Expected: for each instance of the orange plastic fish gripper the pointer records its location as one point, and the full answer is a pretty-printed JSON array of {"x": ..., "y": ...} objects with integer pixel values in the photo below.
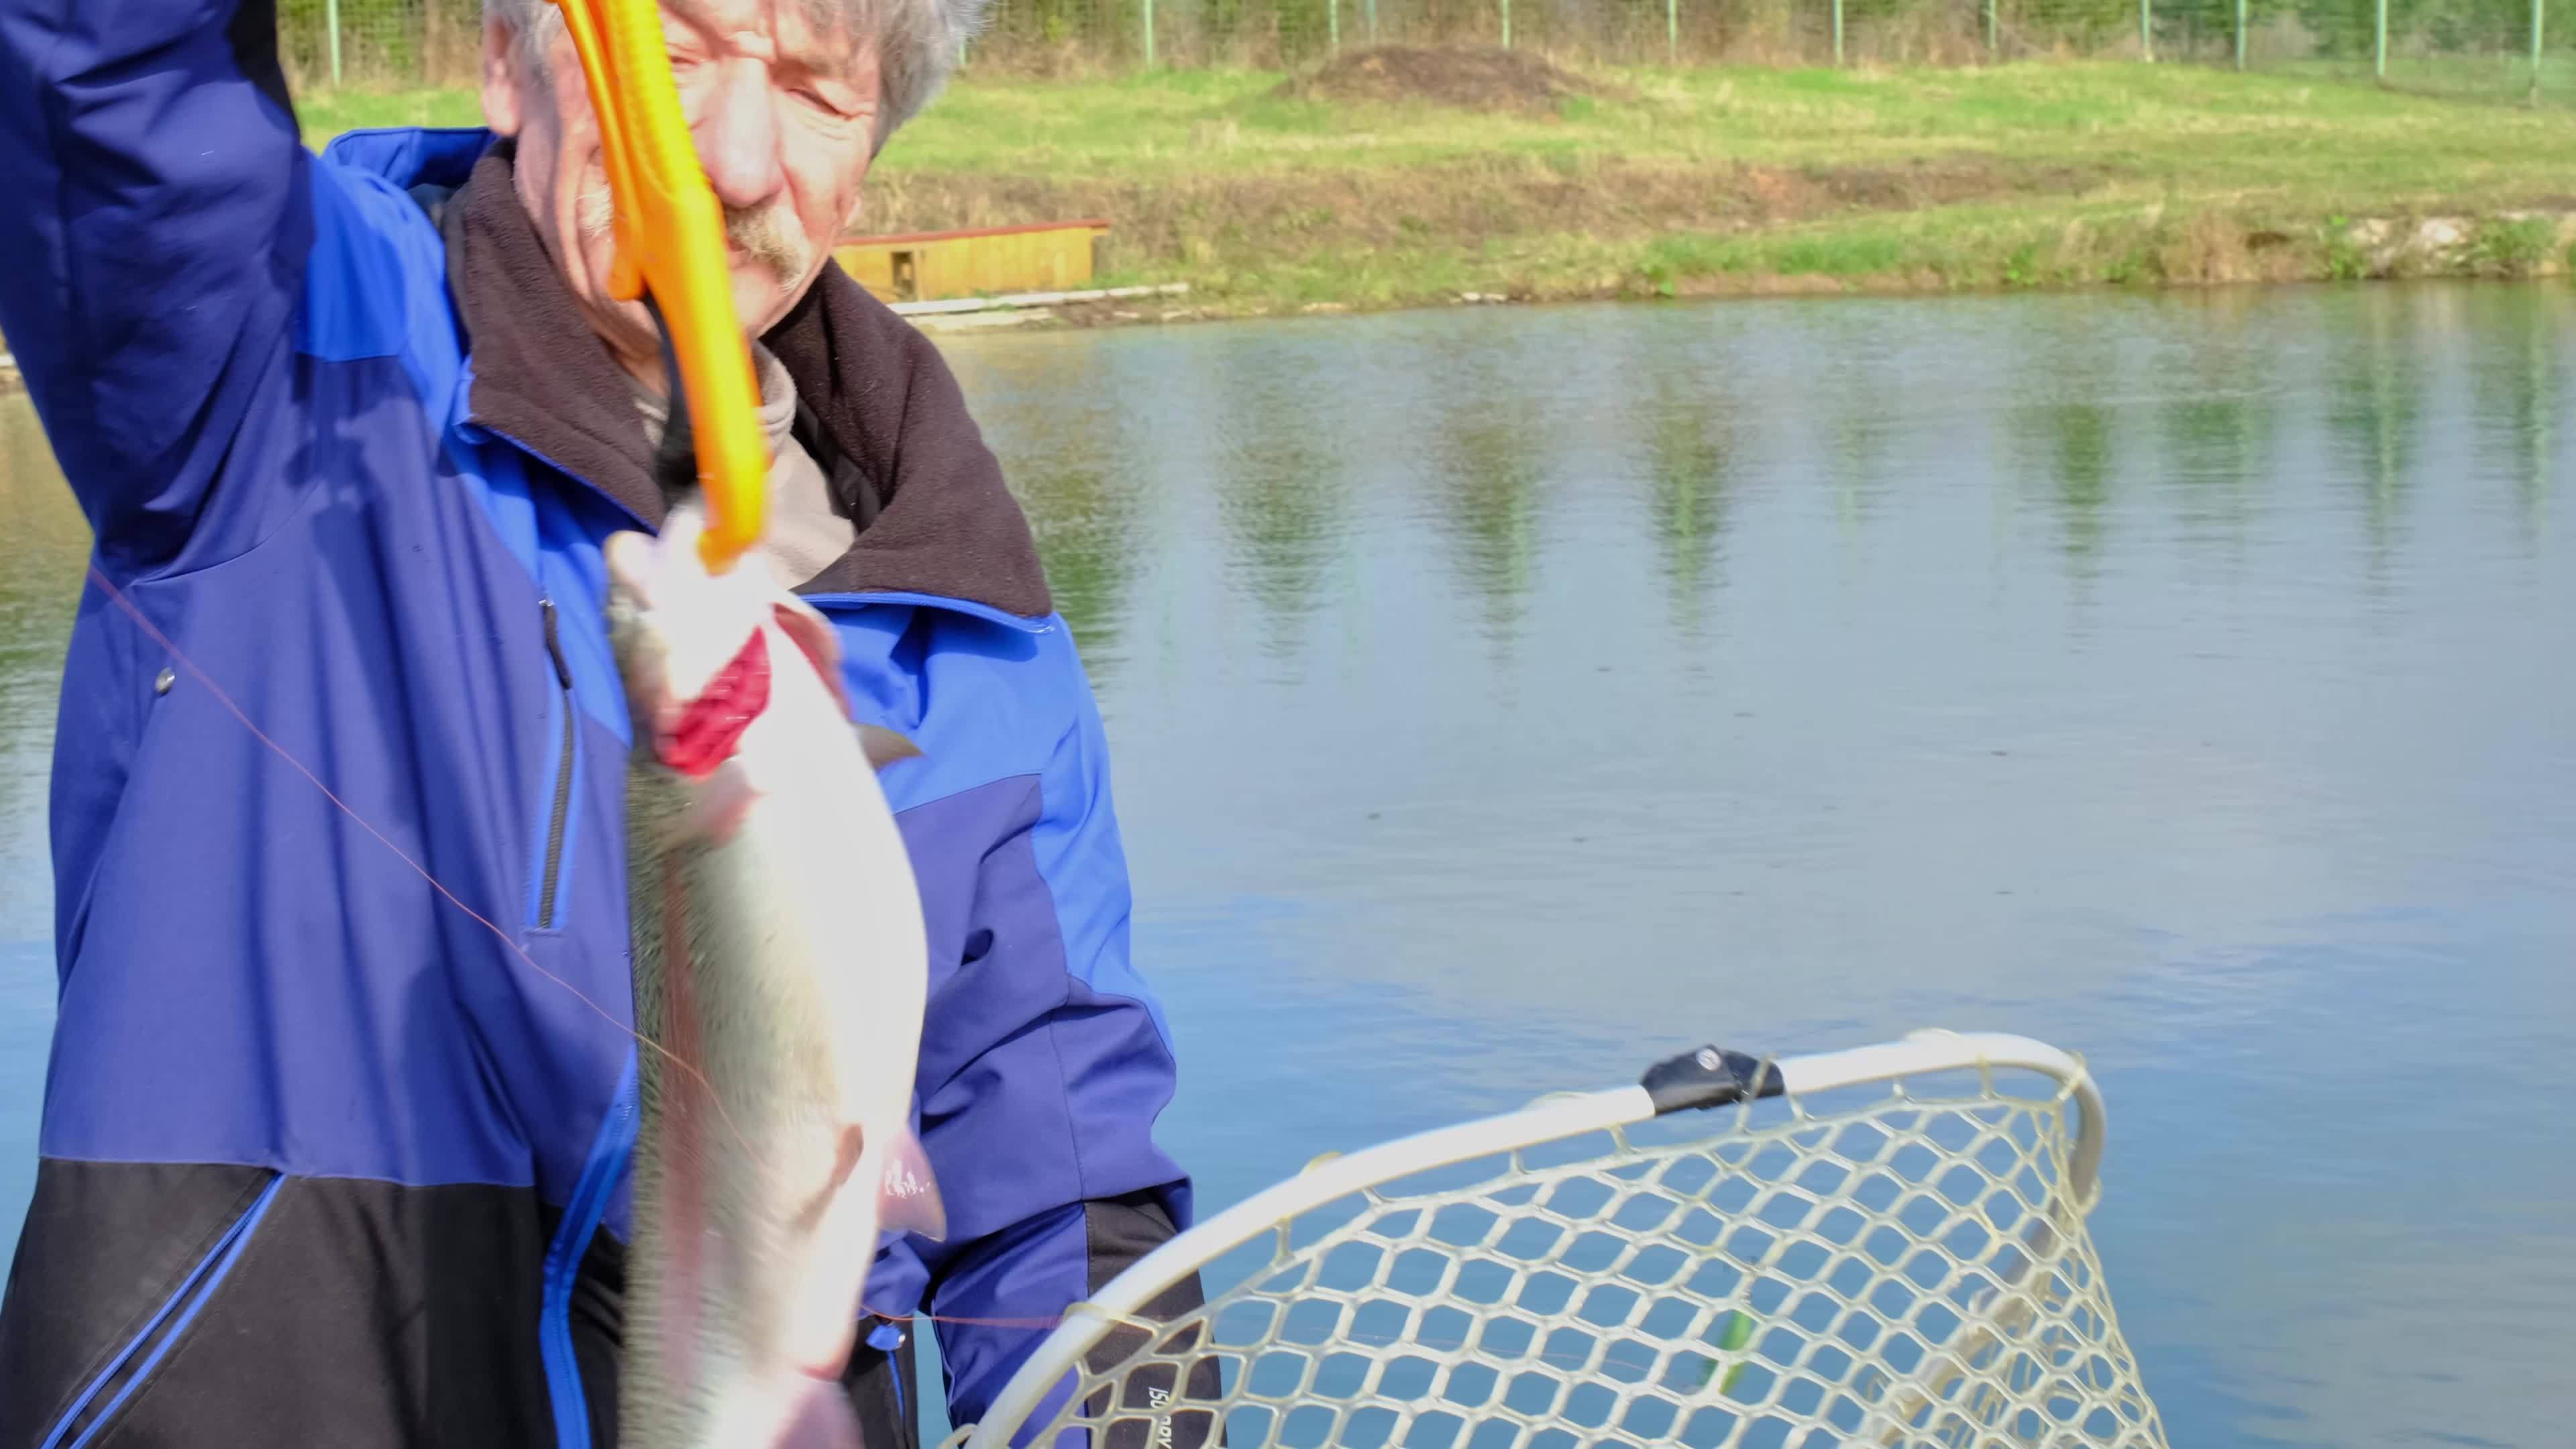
[{"x": 669, "y": 234}]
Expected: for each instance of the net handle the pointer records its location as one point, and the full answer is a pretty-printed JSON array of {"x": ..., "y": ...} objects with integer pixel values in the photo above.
[{"x": 1705, "y": 1078}]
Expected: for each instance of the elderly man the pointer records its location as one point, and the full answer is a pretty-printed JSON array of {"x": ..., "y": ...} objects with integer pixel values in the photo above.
[{"x": 342, "y": 1092}]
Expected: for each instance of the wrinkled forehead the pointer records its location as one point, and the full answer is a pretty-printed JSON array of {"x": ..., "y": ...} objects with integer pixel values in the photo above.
[{"x": 827, "y": 36}]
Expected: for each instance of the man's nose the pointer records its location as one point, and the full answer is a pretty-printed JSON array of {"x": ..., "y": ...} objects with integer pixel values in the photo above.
[{"x": 737, "y": 135}]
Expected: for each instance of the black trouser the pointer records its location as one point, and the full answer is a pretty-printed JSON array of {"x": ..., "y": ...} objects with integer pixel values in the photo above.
[
  {"x": 360, "y": 1314},
  {"x": 885, "y": 1390}
]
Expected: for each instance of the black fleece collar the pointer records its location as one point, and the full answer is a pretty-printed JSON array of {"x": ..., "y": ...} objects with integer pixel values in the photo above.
[{"x": 940, "y": 521}]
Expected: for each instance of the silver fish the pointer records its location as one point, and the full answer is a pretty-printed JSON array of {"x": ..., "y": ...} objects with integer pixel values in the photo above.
[{"x": 780, "y": 965}]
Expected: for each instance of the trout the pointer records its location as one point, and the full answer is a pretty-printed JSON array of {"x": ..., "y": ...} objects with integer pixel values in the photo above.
[{"x": 780, "y": 965}]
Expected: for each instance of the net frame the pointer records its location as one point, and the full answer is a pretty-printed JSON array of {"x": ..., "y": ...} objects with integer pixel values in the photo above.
[{"x": 1909, "y": 1266}]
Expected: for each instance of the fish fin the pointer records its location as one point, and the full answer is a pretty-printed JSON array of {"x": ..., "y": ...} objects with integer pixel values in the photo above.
[
  {"x": 907, "y": 1194},
  {"x": 821, "y": 1419},
  {"x": 812, "y": 633},
  {"x": 836, "y": 1275},
  {"x": 883, "y": 746}
]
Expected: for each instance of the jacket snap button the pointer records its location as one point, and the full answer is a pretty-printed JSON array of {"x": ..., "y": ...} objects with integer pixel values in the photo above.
[{"x": 161, "y": 682}]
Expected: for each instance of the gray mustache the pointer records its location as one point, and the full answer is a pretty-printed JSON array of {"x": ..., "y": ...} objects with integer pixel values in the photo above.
[{"x": 768, "y": 234}]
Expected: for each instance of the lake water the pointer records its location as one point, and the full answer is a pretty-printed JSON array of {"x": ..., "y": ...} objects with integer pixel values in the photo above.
[{"x": 1504, "y": 698}]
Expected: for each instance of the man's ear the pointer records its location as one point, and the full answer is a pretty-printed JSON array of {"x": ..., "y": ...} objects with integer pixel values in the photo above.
[{"x": 503, "y": 99}]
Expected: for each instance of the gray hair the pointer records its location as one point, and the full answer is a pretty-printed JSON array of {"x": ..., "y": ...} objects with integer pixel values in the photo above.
[{"x": 918, "y": 42}]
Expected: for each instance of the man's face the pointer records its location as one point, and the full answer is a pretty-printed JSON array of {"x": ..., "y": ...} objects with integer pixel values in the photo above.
[{"x": 783, "y": 111}]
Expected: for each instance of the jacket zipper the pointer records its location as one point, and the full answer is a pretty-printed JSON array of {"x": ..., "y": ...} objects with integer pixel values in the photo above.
[
  {"x": 563, "y": 776},
  {"x": 162, "y": 1330},
  {"x": 610, "y": 1152}
]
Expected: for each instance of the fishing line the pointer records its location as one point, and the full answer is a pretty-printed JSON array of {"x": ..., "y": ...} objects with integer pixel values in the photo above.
[{"x": 226, "y": 700}]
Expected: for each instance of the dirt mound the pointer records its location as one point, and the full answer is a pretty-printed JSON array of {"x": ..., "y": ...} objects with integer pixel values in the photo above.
[{"x": 1479, "y": 78}]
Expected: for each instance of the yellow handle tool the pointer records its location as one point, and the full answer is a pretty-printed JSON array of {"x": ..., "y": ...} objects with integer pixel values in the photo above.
[{"x": 670, "y": 239}]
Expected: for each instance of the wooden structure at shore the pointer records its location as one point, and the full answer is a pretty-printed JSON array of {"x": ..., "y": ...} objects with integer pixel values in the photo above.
[{"x": 928, "y": 266}]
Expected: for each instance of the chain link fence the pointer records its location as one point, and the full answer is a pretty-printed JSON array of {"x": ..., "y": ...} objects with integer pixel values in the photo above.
[
  {"x": 380, "y": 43},
  {"x": 2474, "y": 48}
]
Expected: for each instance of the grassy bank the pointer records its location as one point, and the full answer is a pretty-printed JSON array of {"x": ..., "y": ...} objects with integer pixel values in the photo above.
[{"x": 1725, "y": 180}]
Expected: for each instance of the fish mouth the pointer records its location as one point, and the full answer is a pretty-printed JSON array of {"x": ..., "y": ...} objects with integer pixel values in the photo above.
[{"x": 703, "y": 732}]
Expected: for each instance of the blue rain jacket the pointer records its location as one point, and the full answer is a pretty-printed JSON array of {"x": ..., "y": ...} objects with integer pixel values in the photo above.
[{"x": 324, "y": 1160}]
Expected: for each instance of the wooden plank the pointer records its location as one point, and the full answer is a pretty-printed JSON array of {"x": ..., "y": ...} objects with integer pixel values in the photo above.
[
  {"x": 927, "y": 266},
  {"x": 956, "y": 306}
]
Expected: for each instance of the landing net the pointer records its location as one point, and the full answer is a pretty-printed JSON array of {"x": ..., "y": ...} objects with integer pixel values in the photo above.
[{"x": 1908, "y": 1266}]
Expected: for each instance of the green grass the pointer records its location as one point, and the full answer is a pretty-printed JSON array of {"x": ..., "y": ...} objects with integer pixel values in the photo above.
[
  {"x": 2258, "y": 130},
  {"x": 328, "y": 113},
  {"x": 1715, "y": 179}
]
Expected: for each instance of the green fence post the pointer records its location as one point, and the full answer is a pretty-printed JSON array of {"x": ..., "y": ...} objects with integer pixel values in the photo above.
[
  {"x": 2536, "y": 7},
  {"x": 1990, "y": 27},
  {"x": 1838, "y": 33},
  {"x": 1372, "y": 19},
  {"x": 2147, "y": 30},
  {"x": 2240, "y": 34},
  {"x": 1507, "y": 24},
  {"x": 1333, "y": 23},
  {"x": 1673, "y": 31},
  {"x": 2379, "y": 40},
  {"x": 1149, "y": 34},
  {"x": 331, "y": 22}
]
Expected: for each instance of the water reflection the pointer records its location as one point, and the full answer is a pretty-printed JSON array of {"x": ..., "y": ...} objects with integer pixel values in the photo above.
[
  {"x": 2219, "y": 439},
  {"x": 46, "y": 551},
  {"x": 2375, "y": 414},
  {"x": 1693, "y": 472},
  {"x": 2520, "y": 388},
  {"x": 1859, "y": 397},
  {"x": 1085, "y": 523},
  {"x": 1486, "y": 480},
  {"x": 1282, "y": 484},
  {"x": 2079, "y": 440},
  {"x": 2062, "y": 441},
  {"x": 1080, "y": 493},
  {"x": 2216, "y": 445}
]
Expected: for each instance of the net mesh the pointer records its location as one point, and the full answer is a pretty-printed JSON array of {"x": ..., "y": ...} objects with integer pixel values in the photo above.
[{"x": 1906, "y": 1270}]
